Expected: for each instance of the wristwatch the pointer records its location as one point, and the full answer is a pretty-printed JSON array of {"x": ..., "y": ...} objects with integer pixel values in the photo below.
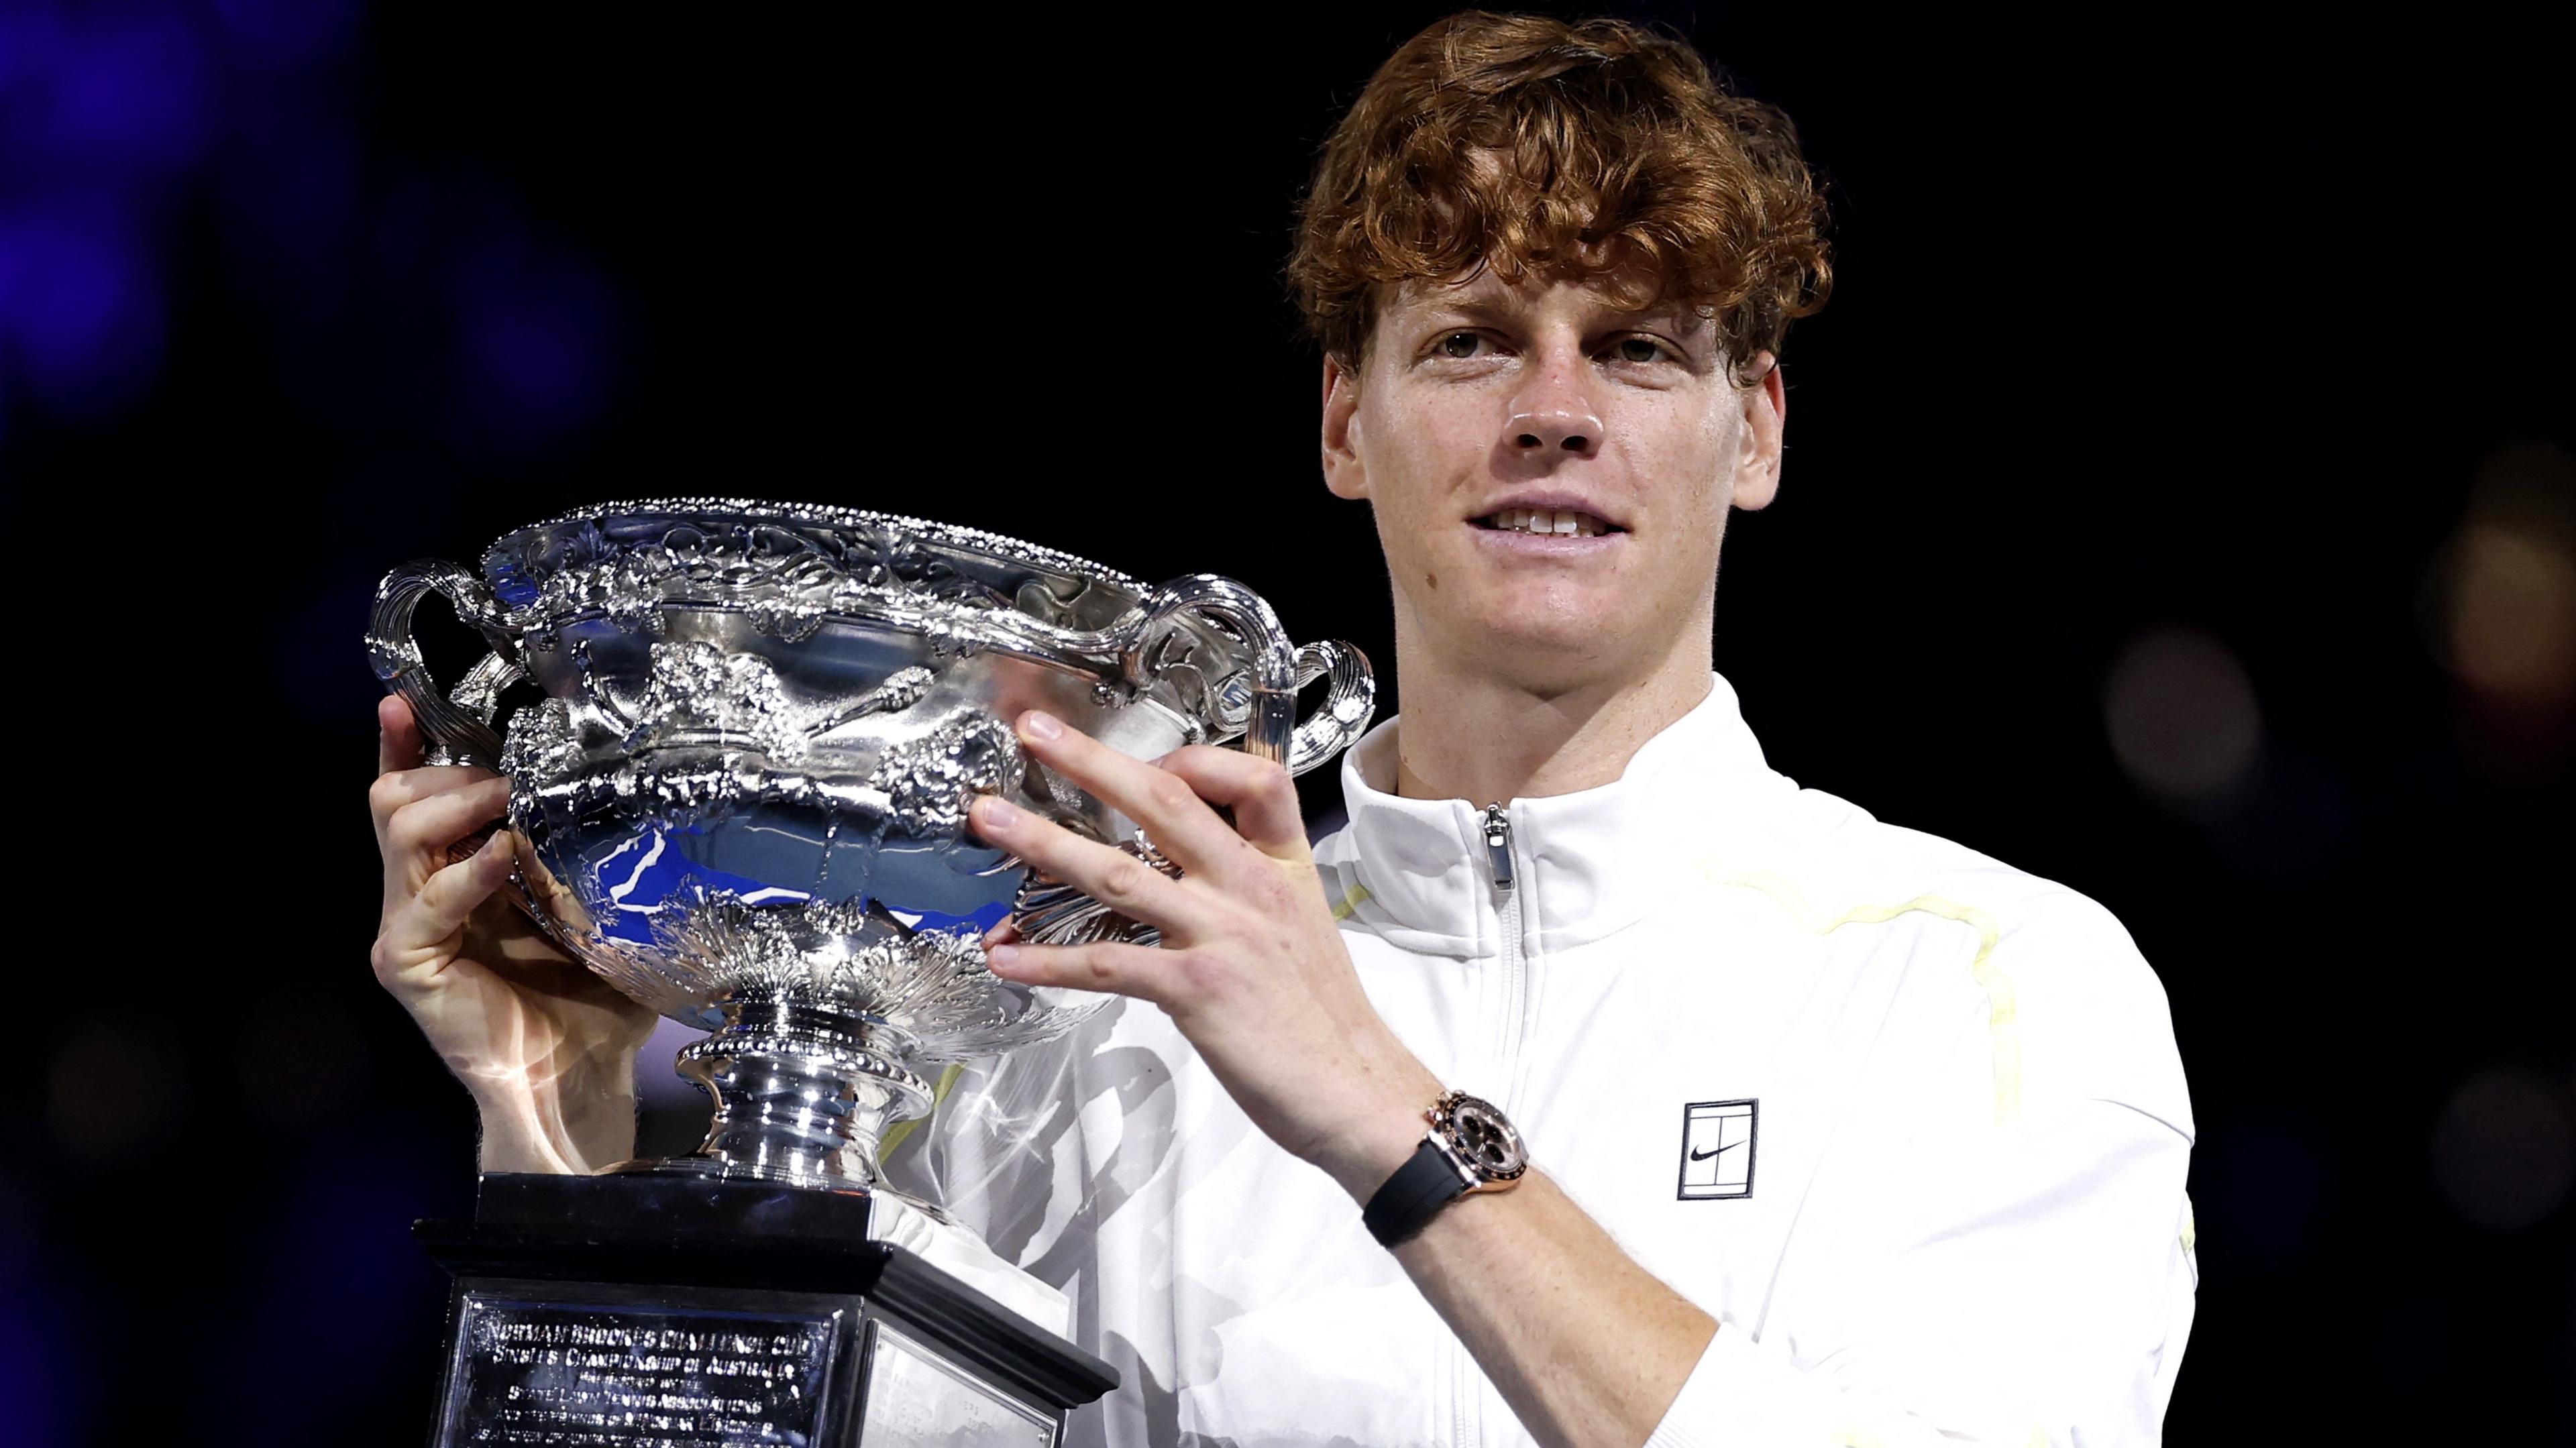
[{"x": 1469, "y": 1148}]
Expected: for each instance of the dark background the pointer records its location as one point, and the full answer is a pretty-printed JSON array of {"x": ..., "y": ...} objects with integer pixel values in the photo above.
[{"x": 2179, "y": 505}]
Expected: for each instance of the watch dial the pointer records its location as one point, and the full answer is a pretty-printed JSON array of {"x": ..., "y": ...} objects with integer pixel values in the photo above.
[{"x": 1485, "y": 1138}]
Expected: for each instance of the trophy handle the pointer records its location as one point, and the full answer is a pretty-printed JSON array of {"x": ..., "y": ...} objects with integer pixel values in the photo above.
[
  {"x": 1350, "y": 697},
  {"x": 457, "y": 729},
  {"x": 1279, "y": 669}
]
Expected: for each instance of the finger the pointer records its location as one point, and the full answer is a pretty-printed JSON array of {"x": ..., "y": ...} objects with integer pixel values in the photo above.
[
  {"x": 1113, "y": 877},
  {"x": 430, "y": 824},
  {"x": 1179, "y": 822},
  {"x": 418, "y": 931},
  {"x": 392, "y": 791},
  {"x": 397, "y": 736},
  {"x": 1120, "y": 968},
  {"x": 1258, "y": 791}
]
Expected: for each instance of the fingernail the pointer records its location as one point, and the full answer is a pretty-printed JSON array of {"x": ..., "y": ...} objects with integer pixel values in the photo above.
[
  {"x": 994, "y": 811},
  {"x": 999, "y": 957},
  {"x": 1039, "y": 724}
]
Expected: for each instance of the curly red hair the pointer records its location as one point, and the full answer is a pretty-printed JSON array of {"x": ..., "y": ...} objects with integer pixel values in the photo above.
[{"x": 1598, "y": 150}]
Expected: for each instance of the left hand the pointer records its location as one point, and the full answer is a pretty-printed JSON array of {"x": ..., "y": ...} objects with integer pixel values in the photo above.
[{"x": 1251, "y": 967}]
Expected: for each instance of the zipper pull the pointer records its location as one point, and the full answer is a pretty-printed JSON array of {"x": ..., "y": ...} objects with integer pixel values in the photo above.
[{"x": 1498, "y": 846}]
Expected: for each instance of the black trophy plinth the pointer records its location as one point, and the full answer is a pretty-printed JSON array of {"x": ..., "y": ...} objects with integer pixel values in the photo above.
[{"x": 649, "y": 1311}]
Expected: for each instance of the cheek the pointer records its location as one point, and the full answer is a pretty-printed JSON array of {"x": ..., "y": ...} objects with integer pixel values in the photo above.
[
  {"x": 1419, "y": 451},
  {"x": 1693, "y": 454}
]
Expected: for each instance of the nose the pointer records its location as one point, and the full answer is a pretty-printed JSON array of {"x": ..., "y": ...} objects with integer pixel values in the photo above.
[{"x": 1551, "y": 415}]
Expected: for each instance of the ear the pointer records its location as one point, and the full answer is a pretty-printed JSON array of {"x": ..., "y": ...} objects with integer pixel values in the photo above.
[
  {"x": 1757, "y": 459},
  {"x": 1343, "y": 472}
]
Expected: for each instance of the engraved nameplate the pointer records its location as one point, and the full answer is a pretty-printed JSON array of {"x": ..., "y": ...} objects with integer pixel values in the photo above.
[{"x": 564, "y": 1374}]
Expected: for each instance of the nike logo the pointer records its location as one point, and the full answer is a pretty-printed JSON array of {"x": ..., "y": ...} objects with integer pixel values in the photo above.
[{"x": 1705, "y": 1155}]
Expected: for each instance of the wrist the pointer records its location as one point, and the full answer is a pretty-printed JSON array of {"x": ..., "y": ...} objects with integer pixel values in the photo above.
[
  {"x": 555, "y": 1126},
  {"x": 1382, "y": 1137}
]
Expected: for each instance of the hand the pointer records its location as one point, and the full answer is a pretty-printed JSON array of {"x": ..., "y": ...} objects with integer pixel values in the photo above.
[
  {"x": 546, "y": 1047},
  {"x": 1251, "y": 969}
]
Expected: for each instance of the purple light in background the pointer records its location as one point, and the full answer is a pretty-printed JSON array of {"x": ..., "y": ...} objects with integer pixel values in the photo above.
[
  {"x": 33, "y": 1373},
  {"x": 533, "y": 340},
  {"x": 291, "y": 182},
  {"x": 126, "y": 90},
  {"x": 31, "y": 36},
  {"x": 290, "y": 33},
  {"x": 36, "y": 1374},
  {"x": 334, "y": 1283},
  {"x": 80, "y": 310}
]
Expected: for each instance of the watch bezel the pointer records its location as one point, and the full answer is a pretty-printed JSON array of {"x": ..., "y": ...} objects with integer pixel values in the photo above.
[{"x": 1447, "y": 1138}]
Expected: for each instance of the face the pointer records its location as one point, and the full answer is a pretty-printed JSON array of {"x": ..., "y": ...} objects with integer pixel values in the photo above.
[{"x": 1550, "y": 474}]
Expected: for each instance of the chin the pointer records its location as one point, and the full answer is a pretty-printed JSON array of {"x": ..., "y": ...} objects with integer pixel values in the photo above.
[{"x": 1556, "y": 642}]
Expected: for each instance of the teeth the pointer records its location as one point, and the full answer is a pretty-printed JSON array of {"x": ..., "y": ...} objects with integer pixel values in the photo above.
[{"x": 1559, "y": 522}]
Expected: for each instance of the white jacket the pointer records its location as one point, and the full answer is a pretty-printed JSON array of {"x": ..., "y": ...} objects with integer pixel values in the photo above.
[{"x": 1907, "y": 1121}]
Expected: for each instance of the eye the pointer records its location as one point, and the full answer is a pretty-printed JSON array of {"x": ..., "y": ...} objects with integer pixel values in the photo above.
[
  {"x": 1459, "y": 346},
  {"x": 1639, "y": 349}
]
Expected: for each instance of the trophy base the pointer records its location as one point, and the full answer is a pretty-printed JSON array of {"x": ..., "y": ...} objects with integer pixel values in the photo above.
[{"x": 671, "y": 1310}]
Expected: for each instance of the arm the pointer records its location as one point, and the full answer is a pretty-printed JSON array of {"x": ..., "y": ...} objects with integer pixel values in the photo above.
[
  {"x": 1585, "y": 1344},
  {"x": 1970, "y": 1299}
]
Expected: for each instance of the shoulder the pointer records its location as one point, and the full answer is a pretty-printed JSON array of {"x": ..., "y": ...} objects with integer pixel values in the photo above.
[{"x": 2064, "y": 978}]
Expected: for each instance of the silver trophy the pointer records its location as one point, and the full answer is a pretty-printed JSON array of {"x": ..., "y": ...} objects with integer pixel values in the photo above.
[{"x": 742, "y": 792}]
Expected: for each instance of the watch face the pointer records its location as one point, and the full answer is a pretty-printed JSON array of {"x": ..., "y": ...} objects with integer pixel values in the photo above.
[{"x": 1485, "y": 1139}]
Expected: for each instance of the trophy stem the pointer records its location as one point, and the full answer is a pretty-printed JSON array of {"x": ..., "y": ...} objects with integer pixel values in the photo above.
[{"x": 803, "y": 1094}]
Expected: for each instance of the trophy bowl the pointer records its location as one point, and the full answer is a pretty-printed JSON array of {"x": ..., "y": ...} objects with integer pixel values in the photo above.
[{"x": 740, "y": 795}]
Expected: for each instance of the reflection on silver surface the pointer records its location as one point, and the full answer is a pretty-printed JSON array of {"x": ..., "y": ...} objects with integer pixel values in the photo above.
[
  {"x": 915, "y": 1399},
  {"x": 741, "y": 797}
]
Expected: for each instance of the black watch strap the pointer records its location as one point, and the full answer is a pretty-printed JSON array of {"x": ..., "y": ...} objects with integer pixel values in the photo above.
[{"x": 1413, "y": 1196}]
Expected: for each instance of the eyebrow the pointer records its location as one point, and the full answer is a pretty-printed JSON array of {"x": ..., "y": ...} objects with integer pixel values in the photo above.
[{"x": 1686, "y": 323}]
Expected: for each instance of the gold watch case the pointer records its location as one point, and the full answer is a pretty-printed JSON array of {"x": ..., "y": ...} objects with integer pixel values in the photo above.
[{"x": 1480, "y": 1143}]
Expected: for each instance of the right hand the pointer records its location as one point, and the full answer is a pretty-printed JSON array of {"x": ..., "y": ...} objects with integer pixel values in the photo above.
[{"x": 546, "y": 1047}]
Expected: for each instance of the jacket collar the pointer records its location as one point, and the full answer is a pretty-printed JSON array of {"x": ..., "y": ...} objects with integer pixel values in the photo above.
[{"x": 1586, "y": 864}]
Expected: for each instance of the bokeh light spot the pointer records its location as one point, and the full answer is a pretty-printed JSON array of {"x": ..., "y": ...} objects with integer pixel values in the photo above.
[
  {"x": 2504, "y": 1153},
  {"x": 2182, "y": 716},
  {"x": 2507, "y": 582}
]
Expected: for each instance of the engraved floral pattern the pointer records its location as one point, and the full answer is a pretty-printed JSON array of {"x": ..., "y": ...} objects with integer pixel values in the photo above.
[{"x": 929, "y": 783}]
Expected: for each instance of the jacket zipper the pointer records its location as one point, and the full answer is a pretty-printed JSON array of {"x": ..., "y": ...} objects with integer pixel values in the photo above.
[
  {"x": 1509, "y": 913},
  {"x": 1497, "y": 824},
  {"x": 1498, "y": 848},
  {"x": 1511, "y": 924}
]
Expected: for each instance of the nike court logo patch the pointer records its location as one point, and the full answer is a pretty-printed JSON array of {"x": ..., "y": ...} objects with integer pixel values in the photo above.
[{"x": 1713, "y": 1167}]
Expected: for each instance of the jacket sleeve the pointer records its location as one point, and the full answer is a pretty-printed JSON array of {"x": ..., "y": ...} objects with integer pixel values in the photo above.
[{"x": 2016, "y": 1278}]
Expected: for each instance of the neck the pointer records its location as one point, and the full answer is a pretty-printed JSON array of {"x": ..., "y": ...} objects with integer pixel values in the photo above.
[{"x": 1486, "y": 736}]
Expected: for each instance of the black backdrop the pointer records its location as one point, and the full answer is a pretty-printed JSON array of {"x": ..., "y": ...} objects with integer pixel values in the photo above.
[{"x": 2178, "y": 505}]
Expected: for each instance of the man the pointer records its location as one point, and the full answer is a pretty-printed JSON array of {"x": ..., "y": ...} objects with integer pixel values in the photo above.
[{"x": 1837, "y": 1133}]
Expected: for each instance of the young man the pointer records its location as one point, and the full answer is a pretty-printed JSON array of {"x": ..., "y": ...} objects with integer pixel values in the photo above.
[{"x": 1836, "y": 1133}]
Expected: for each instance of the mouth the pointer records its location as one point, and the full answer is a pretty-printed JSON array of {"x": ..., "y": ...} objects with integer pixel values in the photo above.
[{"x": 1548, "y": 522}]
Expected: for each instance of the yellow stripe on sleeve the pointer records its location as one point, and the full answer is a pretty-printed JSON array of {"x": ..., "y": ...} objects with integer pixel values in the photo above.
[
  {"x": 901, "y": 1131},
  {"x": 2003, "y": 1016}
]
